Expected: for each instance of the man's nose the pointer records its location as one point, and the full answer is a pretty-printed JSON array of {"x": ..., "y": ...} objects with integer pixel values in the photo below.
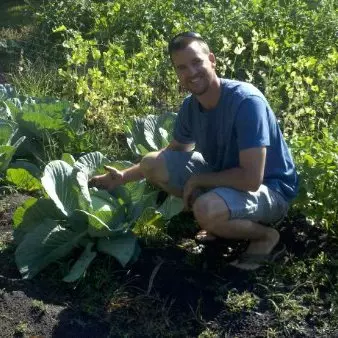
[{"x": 192, "y": 70}]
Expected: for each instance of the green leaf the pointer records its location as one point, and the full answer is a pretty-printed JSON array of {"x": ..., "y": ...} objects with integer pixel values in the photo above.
[
  {"x": 29, "y": 215},
  {"x": 149, "y": 218},
  {"x": 131, "y": 192},
  {"x": 171, "y": 207},
  {"x": 41, "y": 125},
  {"x": 309, "y": 160},
  {"x": 135, "y": 136},
  {"x": 5, "y": 111},
  {"x": 7, "y": 151},
  {"x": 147, "y": 201},
  {"x": 30, "y": 167},
  {"x": 91, "y": 163},
  {"x": 59, "y": 185},
  {"x": 78, "y": 221},
  {"x": 61, "y": 28},
  {"x": 107, "y": 208},
  {"x": 85, "y": 167},
  {"x": 98, "y": 228},
  {"x": 23, "y": 179},
  {"x": 6, "y": 132},
  {"x": 47, "y": 243},
  {"x": 6, "y": 154},
  {"x": 122, "y": 247},
  {"x": 81, "y": 265},
  {"x": 45, "y": 120},
  {"x": 150, "y": 124},
  {"x": 68, "y": 158},
  {"x": 151, "y": 133}
]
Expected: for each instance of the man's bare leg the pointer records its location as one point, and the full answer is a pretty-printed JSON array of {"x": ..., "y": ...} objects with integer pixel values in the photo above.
[
  {"x": 212, "y": 214},
  {"x": 154, "y": 169}
]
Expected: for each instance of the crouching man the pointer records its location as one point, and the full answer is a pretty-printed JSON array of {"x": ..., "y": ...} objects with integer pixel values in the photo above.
[{"x": 228, "y": 159}]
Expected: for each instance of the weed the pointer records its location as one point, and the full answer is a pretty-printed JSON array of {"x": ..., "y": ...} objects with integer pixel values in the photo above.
[
  {"x": 272, "y": 333},
  {"x": 151, "y": 228},
  {"x": 208, "y": 333},
  {"x": 194, "y": 256},
  {"x": 34, "y": 78},
  {"x": 21, "y": 328},
  {"x": 38, "y": 306},
  {"x": 238, "y": 302},
  {"x": 4, "y": 243},
  {"x": 109, "y": 143},
  {"x": 12, "y": 34}
]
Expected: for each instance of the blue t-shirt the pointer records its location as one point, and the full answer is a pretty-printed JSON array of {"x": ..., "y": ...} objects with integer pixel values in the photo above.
[{"x": 241, "y": 120}]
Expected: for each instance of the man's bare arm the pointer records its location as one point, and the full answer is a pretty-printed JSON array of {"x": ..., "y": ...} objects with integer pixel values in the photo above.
[
  {"x": 114, "y": 177},
  {"x": 248, "y": 176}
]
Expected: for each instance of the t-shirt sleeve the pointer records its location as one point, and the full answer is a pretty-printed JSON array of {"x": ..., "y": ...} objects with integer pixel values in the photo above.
[
  {"x": 252, "y": 125},
  {"x": 183, "y": 125}
]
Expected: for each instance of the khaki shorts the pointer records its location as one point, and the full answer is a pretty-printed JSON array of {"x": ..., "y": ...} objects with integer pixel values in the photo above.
[{"x": 264, "y": 205}]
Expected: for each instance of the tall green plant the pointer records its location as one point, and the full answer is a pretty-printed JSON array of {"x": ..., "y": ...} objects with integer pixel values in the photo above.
[
  {"x": 122, "y": 67},
  {"x": 317, "y": 163}
]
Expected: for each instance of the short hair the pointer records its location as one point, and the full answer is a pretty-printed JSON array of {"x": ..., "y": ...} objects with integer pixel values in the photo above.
[{"x": 182, "y": 40}]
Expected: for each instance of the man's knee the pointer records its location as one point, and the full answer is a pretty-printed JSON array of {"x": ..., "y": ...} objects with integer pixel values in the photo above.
[
  {"x": 209, "y": 208},
  {"x": 153, "y": 167}
]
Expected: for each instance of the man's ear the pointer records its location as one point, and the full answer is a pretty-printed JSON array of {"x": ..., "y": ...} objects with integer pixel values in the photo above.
[{"x": 212, "y": 59}]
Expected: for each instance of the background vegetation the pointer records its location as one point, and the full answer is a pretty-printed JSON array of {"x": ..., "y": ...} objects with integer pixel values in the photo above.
[{"x": 113, "y": 55}]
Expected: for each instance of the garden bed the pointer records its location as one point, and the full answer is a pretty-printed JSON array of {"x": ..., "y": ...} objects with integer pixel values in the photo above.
[{"x": 176, "y": 288}]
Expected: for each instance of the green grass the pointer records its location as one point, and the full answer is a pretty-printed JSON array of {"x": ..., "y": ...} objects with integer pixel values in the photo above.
[
  {"x": 16, "y": 20},
  {"x": 34, "y": 78},
  {"x": 17, "y": 29},
  {"x": 11, "y": 14}
]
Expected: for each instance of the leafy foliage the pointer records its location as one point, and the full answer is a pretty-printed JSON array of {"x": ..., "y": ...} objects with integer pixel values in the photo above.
[
  {"x": 317, "y": 161},
  {"x": 48, "y": 229},
  {"x": 118, "y": 60},
  {"x": 50, "y": 126},
  {"x": 287, "y": 49},
  {"x": 150, "y": 133},
  {"x": 7, "y": 146}
]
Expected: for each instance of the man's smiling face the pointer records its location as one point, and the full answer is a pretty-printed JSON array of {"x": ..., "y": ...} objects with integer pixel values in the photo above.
[{"x": 195, "y": 68}]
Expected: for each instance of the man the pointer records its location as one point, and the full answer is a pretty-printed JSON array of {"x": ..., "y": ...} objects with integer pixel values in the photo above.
[{"x": 240, "y": 177}]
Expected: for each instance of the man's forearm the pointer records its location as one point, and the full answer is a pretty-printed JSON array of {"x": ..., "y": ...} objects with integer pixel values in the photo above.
[
  {"x": 132, "y": 174},
  {"x": 237, "y": 178}
]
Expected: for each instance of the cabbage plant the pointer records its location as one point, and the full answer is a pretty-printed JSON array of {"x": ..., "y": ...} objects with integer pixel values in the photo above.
[
  {"x": 150, "y": 133},
  {"x": 46, "y": 122},
  {"x": 71, "y": 215},
  {"x": 7, "y": 146}
]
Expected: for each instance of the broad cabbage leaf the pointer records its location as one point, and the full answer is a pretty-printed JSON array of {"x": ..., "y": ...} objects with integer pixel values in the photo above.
[
  {"x": 48, "y": 242},
  {"x": 150, "y": 133}
]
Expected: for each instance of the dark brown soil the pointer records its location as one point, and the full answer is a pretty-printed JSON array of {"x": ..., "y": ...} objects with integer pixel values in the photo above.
[{"x": 178, "y": 290}]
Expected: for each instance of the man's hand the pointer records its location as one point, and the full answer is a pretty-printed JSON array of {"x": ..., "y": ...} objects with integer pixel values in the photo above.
[
  {"x": 109, "y": 181},
  {"x": 190, "y": 192}
]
